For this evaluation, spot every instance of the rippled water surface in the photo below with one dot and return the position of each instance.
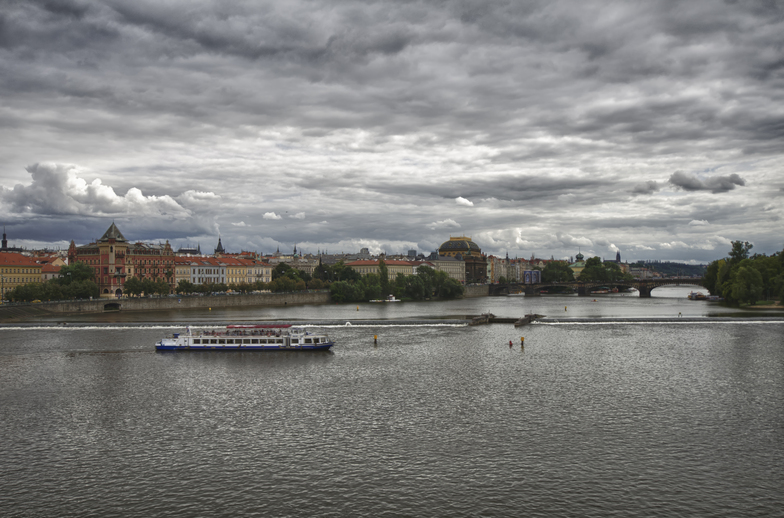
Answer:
(587, 420)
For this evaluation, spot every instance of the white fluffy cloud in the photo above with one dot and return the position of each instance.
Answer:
(271, 215)
(445, 223)
(56, 189)
(462, 201)
(570, 242)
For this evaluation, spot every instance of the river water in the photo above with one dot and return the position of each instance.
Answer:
(595, 418)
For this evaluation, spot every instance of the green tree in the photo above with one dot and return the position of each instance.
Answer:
(383, 273)
(711, 277)
(133, 286)
(322, 272)
(184, 287)
(340, 272)
(450, 289)
(430, 279)
(343, 291)
(148, 286)
(740, 251)
(161, 287)
(741, 279)
(280, 270)
(82, 290)
(745, 287)
(317, 284)
(594, 271)
(557, 271)
(412, 287)
(76, 272)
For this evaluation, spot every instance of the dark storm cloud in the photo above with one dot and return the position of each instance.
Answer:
(384, 113)
(715, 184)
(648, 187)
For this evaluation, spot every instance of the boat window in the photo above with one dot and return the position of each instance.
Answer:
(214, 341)
(230, 340)
(254, 340)
(196, 341)
(221, 341)
(294, 340)
(246, 340)
(308, 341)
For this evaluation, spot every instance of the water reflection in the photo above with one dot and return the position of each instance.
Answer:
(596, 419)
(665, 302)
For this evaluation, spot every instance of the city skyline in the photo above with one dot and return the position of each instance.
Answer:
(533, 128)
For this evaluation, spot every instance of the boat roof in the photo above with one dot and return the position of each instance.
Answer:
(259, 326)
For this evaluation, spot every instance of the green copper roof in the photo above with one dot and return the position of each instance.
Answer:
(112, 233)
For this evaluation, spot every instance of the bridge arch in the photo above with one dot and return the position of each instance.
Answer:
(644, 286)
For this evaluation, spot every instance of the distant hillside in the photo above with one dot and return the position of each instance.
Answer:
(671, 269)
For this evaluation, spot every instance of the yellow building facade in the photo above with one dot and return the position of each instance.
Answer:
(394, 268)
(16, 270)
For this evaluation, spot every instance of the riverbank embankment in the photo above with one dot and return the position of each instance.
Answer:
(32, 311)
(26, 312)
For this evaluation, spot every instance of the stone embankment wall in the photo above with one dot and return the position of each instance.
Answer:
(152, 304)
(478, 290)
(14, 312)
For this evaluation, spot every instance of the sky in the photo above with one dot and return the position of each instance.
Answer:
(535, 128)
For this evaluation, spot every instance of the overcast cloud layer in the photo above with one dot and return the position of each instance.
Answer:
(655, 127)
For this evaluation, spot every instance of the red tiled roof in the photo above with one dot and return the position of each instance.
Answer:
(370, 262)
(15, 259)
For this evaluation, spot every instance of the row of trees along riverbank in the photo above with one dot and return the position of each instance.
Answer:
(426, 283)
(76, 281)
(344, 284)
(744, 279)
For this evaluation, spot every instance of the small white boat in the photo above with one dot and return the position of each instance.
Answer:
(390, 298)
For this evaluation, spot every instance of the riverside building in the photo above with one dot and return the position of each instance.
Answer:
(17, 269)
(394, 268)
(114, 259)
(463, 248)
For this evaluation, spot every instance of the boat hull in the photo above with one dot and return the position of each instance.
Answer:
(183, 347)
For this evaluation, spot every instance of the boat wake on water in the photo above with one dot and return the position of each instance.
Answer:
(656, 321)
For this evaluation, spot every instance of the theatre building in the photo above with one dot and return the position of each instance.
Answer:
(462, 248)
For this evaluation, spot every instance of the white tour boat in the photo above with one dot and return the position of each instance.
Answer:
(263, 337)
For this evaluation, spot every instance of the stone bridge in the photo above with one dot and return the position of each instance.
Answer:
(644, 286)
